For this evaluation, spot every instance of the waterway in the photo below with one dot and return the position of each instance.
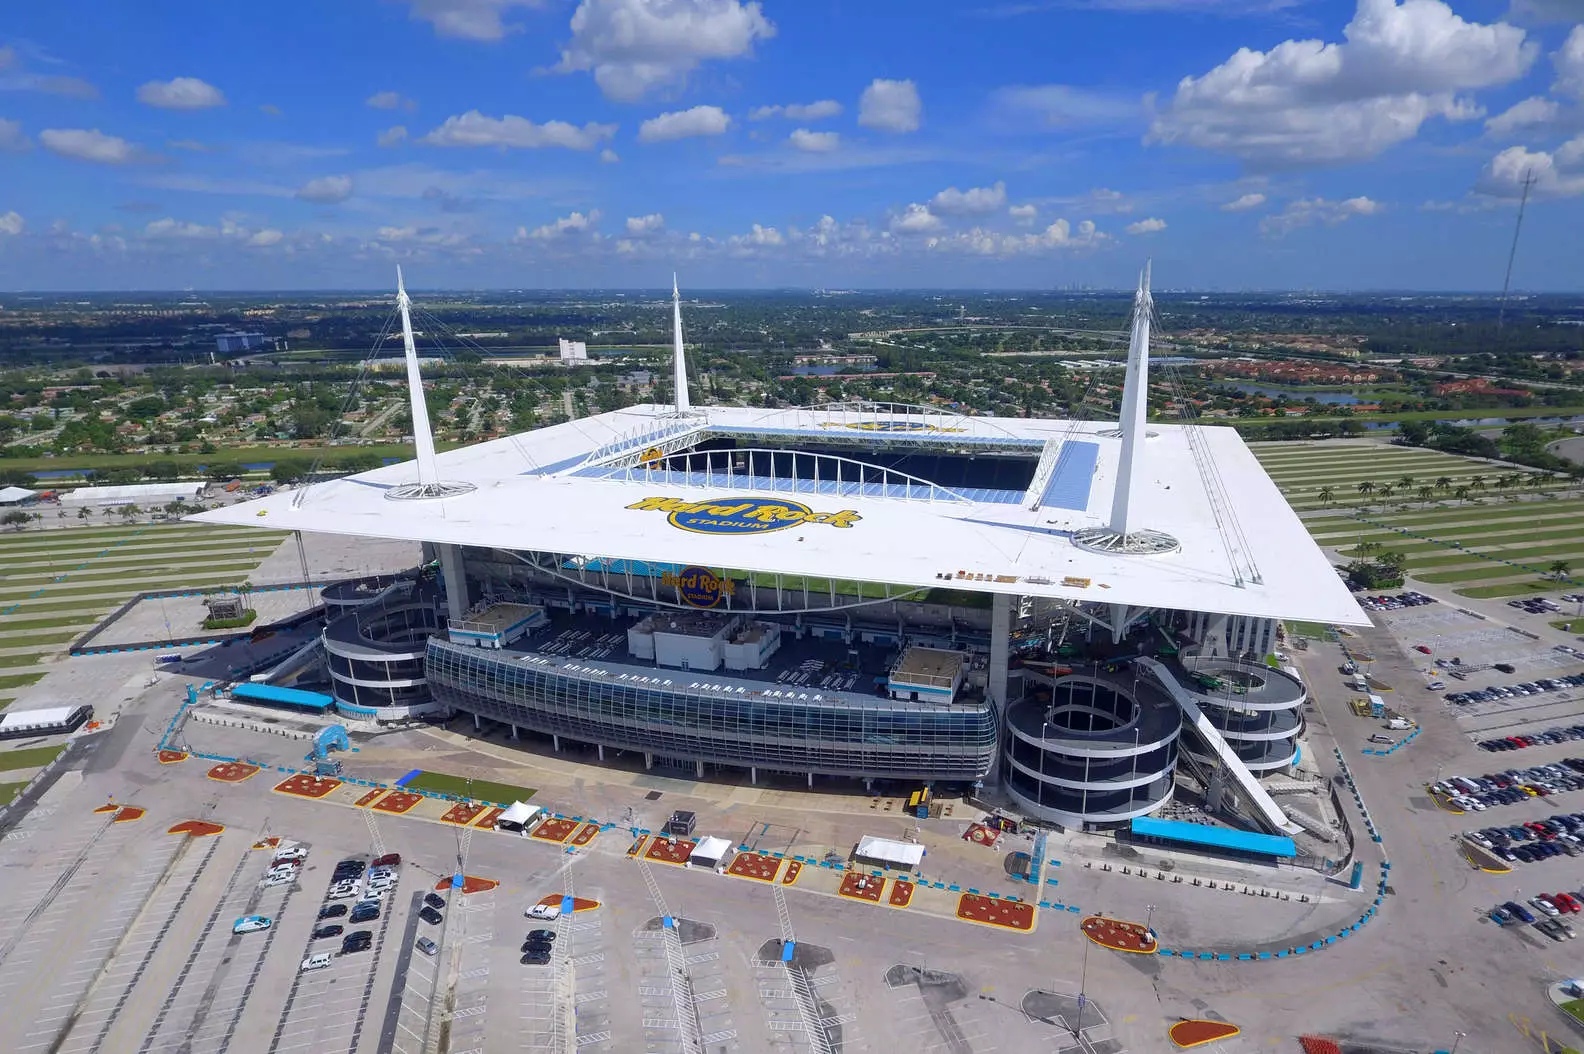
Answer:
(1329, 398)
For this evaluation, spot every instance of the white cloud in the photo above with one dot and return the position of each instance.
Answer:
(952, 201)
(814, 111)
(173, 228)
(11, 223)
(635, 46)
(1066, 106)
(1569, 63)
(1559, 174)
(1059, 235)
(390, 100)
(1532, 111)
(88, 145)
(684, 124)
(638, 226)
(474, 129)
(609, 156)
(11, 137)
(891, 106)
(759, 237)
(576, 223)
(1310, 102)
(265, 238)
(1023, 214)
(326, 190)
(1147, 226)
(192, 146)
(814, 142)
(392, 135)
(1306, 211)
(915, 219)
(467, 19)
(1248, 201)
(181, 93)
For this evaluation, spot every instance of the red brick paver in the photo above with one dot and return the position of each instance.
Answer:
(462, 813)
(1010, 914)
(127, 814)
(491, 814)
(794, 869)
(755, 866)
(1118, 934)
(554, 830)
(306, 786)
(171, 757)
(370, 798)
(661, 850)
(861, 887)
(397, 802)
(586, 835)
(901, 893)
(233, 771)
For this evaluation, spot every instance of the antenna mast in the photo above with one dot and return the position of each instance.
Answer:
(1512, 254)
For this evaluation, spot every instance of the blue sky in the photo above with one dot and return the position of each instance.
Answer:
(1243, 144)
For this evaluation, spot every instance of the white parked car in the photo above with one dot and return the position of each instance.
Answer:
(544, 911)
(271, 880)
(342, 890)
(291, 854)
(317, 962)
(372, 896)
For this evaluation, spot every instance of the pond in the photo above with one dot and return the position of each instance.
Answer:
(1330, 398)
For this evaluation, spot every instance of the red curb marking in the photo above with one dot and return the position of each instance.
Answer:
(794, 869)
(1191, 1032)
(127, 814)
(196, 828)
(470, 884)
(370, 798)
(489, 818)
(233, 772)
(171, 757)
(1118, 934)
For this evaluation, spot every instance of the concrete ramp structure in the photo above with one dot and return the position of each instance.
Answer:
(1252, 791)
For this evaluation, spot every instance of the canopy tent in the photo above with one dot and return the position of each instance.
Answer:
(709, 852)
(517, 817)
(890, 853)
(15, 495)
(18, 724)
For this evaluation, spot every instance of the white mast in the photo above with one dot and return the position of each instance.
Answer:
(423, 438)
(679, 361)
(1135, 406)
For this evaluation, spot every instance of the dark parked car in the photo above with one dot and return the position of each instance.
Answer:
(357, 941)
(537, 957)
(364, 913)
(435, 900)
(388, 860)
(332, 911)
(327, 931)
(431, 916)
(541, 935)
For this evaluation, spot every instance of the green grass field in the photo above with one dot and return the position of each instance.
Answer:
(478, 790)
(1492, 543)
(18, 680)
(29, 757)
(9, 791)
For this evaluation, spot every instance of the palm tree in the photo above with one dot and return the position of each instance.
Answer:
(1424, 494)
(1461, 494)
(1444, 482)
(1366, 488)
(1406, 482)
(1560, 569)
(1477, 482)
(84, 512)
(1385, 491)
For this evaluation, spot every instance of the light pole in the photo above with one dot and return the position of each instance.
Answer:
(1149, 914)
(1457, 1037)
(1083, 986)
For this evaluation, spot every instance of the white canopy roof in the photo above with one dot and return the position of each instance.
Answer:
(23, 719)
(552, 489)
(130, 493)
(8, 495)
(710, 848)
(900, 854)
(519, 813)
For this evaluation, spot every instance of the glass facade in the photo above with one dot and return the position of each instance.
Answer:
(859, 738)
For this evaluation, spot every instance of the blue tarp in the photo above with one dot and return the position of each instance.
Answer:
(1214, 837)
(269, 693)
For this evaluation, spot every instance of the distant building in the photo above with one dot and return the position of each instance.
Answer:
(574, 351)
(227, 343)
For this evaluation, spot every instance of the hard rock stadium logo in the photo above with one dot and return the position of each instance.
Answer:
(699, 586)
(741, 515)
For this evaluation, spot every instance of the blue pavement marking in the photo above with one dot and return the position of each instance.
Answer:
(414, 774)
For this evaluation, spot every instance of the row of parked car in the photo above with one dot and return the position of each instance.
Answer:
(1536, 605)
(1513, 786)
(1395, 602)
(368, 892)
(1552, 906)
(1558, 734)
(1514, 691)
(1561, 835)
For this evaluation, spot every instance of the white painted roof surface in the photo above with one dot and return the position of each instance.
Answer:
(902, 854)
(55, 715)
(527, 498)
(14, 494)
(130, 492)
(710, 848)
(519, 813)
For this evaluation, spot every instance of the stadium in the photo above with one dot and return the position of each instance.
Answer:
(1080, 613)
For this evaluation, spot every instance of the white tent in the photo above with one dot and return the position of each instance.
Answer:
(15, 495)
(132, 493)
(16, 724)
(709, 852)
(517, 817)
(891, 853)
